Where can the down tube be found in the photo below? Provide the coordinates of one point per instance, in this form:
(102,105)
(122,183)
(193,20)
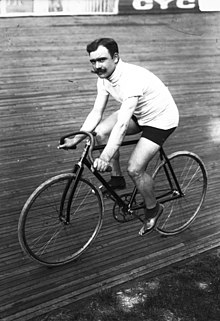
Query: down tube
(103,181)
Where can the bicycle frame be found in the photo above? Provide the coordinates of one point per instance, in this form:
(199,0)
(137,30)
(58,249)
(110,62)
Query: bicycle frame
(84,161)
(164,197)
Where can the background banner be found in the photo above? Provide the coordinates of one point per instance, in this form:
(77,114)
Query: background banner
(103,7)
(157,6)
(57,7)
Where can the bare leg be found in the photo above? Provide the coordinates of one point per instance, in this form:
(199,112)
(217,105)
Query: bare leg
(138,162)
(103,131)
(144,184)
(143,153)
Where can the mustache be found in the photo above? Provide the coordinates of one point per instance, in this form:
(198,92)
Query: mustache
(97,71)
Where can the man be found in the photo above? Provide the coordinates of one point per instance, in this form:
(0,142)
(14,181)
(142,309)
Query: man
(146,106)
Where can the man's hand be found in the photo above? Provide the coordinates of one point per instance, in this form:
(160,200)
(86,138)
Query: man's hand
(68,144)
(101,165)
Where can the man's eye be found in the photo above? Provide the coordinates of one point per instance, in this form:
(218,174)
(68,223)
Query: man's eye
(101,60)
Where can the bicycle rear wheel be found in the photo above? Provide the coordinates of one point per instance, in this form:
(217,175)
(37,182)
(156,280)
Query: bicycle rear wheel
(180,210)
(43,231)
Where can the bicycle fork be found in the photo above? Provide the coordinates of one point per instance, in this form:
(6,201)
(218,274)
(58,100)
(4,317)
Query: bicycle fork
(69,188)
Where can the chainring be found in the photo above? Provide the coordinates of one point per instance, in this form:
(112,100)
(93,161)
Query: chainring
(122,214)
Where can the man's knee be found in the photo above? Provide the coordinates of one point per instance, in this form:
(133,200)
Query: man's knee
(133,171)
(101,135)
(136,170)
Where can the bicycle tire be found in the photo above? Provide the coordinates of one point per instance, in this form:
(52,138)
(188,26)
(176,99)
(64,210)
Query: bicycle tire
(191,174)
(44,237)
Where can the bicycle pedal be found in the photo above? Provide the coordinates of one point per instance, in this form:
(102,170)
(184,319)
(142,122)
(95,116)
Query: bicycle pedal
(106,195)
(124,218)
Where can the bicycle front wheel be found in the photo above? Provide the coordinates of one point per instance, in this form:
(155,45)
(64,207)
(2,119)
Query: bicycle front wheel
(180,209)
(44,233)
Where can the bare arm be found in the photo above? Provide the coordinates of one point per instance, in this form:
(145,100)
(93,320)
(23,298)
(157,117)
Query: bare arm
(94,117)
(92,120)
(125,113)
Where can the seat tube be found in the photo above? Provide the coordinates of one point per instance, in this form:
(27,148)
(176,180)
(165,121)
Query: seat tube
(164,156)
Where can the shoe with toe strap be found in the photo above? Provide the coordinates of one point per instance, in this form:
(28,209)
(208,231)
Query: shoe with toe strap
(151,222)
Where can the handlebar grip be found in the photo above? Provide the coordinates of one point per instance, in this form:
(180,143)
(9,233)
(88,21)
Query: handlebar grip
(109,169)
(62,141)
(72,147)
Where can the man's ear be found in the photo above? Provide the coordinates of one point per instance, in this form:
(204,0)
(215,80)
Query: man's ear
(116,57)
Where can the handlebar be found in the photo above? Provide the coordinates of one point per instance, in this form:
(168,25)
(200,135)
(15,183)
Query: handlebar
(87,134)
(91,142)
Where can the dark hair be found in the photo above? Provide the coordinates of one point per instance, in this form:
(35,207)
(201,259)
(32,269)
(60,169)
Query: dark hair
(108,43)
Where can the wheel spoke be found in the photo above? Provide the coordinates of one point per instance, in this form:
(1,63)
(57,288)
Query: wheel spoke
(191,180)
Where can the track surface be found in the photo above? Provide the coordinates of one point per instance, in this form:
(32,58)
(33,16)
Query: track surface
(46,90)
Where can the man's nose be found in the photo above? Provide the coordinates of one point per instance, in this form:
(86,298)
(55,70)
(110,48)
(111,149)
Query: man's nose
(97,64)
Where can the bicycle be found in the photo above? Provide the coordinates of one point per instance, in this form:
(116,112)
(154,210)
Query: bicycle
(64,215)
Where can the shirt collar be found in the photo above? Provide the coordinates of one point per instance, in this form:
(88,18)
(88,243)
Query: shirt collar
(115,76)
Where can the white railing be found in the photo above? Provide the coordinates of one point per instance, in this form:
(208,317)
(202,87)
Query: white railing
(57,7)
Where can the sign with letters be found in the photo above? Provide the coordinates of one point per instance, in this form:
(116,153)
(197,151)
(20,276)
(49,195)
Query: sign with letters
(158,6)
(164,4)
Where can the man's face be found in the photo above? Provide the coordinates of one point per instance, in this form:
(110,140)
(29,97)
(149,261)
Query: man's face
(102,62)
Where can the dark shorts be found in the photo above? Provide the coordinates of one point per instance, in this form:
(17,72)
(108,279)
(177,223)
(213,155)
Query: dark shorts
(156,135)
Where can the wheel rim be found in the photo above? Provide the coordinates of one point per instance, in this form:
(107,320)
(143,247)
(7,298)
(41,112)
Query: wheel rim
(179,213)
(47,238)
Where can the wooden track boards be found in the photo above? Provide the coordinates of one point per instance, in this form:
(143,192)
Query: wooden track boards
(46,90)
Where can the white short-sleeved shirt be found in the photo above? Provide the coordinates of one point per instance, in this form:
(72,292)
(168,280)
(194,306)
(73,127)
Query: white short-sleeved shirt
(155,107)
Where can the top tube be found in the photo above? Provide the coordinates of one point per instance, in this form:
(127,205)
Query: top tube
(99,147)
(126,143)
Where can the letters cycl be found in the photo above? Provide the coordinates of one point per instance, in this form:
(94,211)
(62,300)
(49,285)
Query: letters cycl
(149,4)
(142,5)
